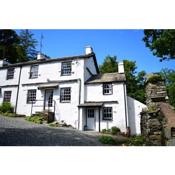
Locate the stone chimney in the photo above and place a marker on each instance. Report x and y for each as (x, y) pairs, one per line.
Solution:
(121, 67)
(88, 50)
(155, 89)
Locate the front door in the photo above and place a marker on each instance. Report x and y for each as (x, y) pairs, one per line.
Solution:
(90, 119)
(48, 102)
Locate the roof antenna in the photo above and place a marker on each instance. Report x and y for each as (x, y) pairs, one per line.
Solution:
(41, 43)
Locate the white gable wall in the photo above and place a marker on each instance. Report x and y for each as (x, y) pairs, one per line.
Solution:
(94, 92)
(134, 109)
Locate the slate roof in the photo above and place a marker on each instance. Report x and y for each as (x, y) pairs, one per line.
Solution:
(107, 77)
(69, 58)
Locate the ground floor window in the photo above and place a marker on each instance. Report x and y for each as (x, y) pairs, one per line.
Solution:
(65, 95)
(31, 96)
(107, 113)
(7, 96)
(90, 113)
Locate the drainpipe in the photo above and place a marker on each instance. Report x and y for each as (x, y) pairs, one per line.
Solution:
(79, 101)
(19, 80)
(126, 106)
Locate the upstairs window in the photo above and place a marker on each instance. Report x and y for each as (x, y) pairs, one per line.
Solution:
(65, 95)
(7, 96)
(107, 113)
(10, 73)
(33, 71)
(31, 96)
(107, 89)
(66, 68)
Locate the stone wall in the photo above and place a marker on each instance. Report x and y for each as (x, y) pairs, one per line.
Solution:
(157, 122)
(152, 127)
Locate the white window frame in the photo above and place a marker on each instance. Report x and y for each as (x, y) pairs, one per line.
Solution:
(10, 73)
(107, 89)
(66, 68)
(34, 71)
(108, 113)
(31, 96)
(7, 96)
(65, 95)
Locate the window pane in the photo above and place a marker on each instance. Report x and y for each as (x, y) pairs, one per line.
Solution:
(7, 96)
(107, 88)
(10, 73)
(90, 113)
(107, 113)
(66, 68)
(34, 71)
(65, 94)
(31, 96)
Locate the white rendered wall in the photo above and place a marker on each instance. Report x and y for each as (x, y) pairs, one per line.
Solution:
(13, 95)
(52, 72)
(3, 76)
(134, 109)
(95, 93)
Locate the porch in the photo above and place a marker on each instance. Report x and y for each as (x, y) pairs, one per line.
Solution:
(90, 116)
(45, 102)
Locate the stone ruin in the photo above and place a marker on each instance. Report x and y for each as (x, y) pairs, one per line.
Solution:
(158, 121)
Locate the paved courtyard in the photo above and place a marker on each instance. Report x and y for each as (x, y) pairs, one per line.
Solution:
(19, 132)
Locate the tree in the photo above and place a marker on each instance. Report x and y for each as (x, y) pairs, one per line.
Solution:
(109, 65)
(161, 43)
(28, 43)
(169, 76)
(10, 48)
(135, 82)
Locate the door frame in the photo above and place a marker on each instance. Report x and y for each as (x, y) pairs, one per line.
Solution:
(45, 92)
(94, 121)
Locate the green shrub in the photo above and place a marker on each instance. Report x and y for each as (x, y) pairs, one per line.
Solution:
(9, 114)
(36, 119)
(154, 78)
(115, 130)
(6, 107)
(107, 140)
(136, 141)
(54, 124)
(104, 131)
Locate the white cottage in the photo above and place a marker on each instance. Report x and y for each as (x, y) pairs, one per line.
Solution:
(73, 89)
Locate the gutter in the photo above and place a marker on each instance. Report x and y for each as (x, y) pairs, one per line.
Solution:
(19, 80)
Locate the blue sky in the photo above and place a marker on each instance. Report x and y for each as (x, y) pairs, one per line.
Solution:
(125, 44)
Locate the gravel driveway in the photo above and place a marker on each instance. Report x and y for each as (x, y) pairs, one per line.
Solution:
(19, 132)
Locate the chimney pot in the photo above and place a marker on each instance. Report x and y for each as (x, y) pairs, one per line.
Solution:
(88, 50)
(121, 67)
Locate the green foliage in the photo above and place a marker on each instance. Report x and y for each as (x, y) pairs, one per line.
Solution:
(10, 46)
(109, 65)
(36, 119)
(136, 141)
(161, 43)
(6, 107)
(107, 140)
(154, 78)
(152, 108)
(115, 130)
(169, 77)
(16, 48)
(55, 124)
(28, 43)
(9, 114)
